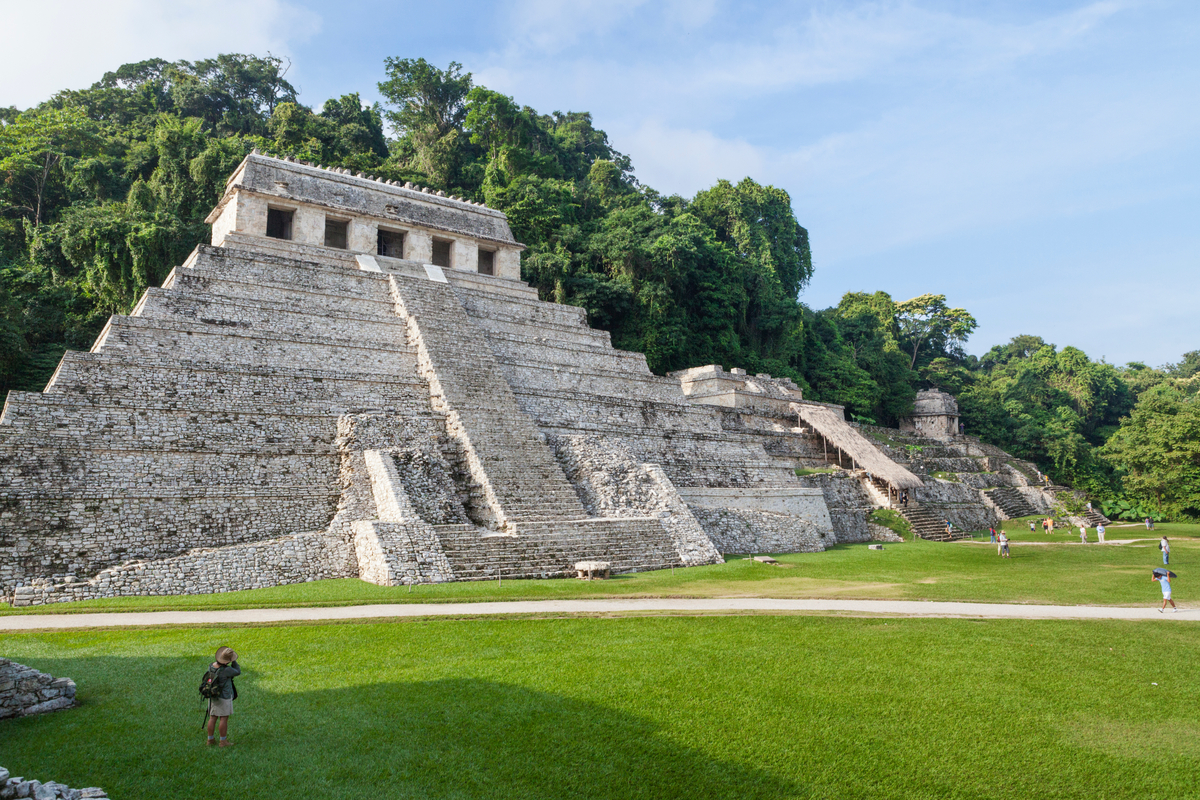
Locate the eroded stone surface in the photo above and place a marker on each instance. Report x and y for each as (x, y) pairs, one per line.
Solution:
(24, 691)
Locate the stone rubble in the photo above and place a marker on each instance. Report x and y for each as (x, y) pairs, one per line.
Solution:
(17, 787)
(24, 691)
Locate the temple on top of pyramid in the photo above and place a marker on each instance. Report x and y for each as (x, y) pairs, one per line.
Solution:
(295, 202)
(353, 381)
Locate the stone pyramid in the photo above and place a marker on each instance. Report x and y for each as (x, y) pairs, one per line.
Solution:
(353, 381)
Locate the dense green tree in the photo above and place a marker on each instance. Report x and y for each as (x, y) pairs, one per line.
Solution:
(1158, 449)
(36, 150)
(870, 329)
(929, 328)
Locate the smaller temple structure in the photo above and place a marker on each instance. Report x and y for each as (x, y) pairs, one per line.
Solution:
(935, 414)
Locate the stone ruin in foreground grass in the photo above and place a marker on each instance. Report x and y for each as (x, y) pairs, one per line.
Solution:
(353, 381)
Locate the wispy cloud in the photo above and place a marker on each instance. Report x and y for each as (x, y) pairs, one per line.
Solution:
(689, 160)
(90, 39)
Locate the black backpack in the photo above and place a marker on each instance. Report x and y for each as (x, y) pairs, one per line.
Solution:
(210, 687)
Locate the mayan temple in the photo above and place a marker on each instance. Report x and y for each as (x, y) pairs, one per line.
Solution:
(353, 381)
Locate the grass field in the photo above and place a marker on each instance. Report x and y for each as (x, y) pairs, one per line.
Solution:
(1043, 569)
(685, 707)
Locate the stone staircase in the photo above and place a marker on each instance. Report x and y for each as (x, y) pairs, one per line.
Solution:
(551, 549)
(1012, 503)
(1092, 516)
(928, 525)
(502, 463)
(879, 491)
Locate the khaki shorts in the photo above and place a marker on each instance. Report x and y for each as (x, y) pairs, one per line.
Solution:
(220, 707)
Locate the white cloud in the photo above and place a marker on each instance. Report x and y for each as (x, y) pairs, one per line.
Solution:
(685, 161)
(80, 40)
(550, 26)
(650, 53)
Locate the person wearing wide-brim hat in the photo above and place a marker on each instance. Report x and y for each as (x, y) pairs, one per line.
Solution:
(220, 708)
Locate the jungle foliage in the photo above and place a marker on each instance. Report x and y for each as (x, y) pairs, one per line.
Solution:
(104, 190)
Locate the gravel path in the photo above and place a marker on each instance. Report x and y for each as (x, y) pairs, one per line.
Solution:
(905, 608)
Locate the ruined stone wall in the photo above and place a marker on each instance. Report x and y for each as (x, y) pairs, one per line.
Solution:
(849, 504)
(298, 558)
(612, 483)
(958, 503)
(24, 691)
(570, 380)
(743, 530)
(19, 787)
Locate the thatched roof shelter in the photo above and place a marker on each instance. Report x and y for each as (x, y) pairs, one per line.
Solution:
(830, 422)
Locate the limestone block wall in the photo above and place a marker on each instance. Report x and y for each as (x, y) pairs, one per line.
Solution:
(308, 225)
(744, 530)
(777, 520)
(569, 379)
(508, 263)
(612, 483)
(24, 691)
(403, 548)
(418, 246)
(245, 213)
(362, 235)
(298, 558)
(464, 255)
(848, 503)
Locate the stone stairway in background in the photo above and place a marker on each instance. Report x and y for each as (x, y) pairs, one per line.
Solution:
(1010, 502)
(928, 525)
(1092, 516)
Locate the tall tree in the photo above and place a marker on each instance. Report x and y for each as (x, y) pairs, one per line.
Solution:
(929, 326)
(33, 150)
(429, 107)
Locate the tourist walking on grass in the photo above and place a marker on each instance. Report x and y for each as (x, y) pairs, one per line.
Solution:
(220, 705)
(1082, 534)
(1004, 545)
(1164, 581)
(1100, 532)
(1165, 546)
(993, 530)
(1031, 526)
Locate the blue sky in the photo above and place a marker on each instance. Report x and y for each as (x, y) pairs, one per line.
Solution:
(1037, 162)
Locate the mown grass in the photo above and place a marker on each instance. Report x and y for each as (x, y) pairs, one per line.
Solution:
(1062, 571)
(684, 707)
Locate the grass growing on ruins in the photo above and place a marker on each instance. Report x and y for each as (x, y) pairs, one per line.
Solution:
(1043, 569)
(686, 707)
(893, 521)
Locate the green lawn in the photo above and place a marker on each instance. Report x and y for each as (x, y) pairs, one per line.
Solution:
(683, 707)
(1061, 572)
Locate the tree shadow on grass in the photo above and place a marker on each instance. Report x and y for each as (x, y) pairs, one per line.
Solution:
(137, 735)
